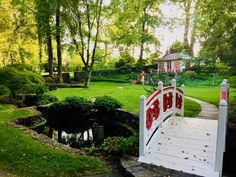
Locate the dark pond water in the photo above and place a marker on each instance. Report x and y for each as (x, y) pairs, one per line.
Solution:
(86, 134)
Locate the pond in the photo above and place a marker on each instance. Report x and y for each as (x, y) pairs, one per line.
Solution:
(85, 134)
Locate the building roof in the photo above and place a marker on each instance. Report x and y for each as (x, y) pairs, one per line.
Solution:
(175, 56)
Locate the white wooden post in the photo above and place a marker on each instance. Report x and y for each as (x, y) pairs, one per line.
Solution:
(142, 125)
(183, 90)
(173, 83)
(160, 87)
(225, 90)
(220, 142)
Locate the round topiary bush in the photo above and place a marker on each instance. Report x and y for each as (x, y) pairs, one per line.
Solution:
(106, 104)
(46, 99)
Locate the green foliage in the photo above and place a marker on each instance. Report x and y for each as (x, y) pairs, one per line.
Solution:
(232, 81)
(190, 74)
(79, 104)
(106, 104)
(22, 67)
(21, 82)
(4, 91)
(179, 47)
(120, 145)
(214, 25)
(211, 69)
(46, 99)
(126, 69)
(232, 111)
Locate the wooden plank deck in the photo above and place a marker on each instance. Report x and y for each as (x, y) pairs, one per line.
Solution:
(184, 144)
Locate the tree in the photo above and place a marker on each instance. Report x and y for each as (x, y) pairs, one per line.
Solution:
(84, 23)
(58, 39)
(190, 9)
(17, 32)
(135, 25)
(179, 47)
(44, 14)
(217, 32)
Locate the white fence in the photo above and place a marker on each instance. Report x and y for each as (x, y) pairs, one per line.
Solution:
(163, 103)
(222, 126)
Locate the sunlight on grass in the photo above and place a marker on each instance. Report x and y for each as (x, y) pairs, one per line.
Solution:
(5, 107)
(127, 94)
(208, 94)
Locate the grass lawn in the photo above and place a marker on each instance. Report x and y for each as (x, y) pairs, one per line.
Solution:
(6, 107)
(20, 154)
(128, 94)
(208, 94)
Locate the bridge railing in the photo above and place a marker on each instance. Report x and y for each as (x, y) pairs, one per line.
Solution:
(163, 103)
(222, 126)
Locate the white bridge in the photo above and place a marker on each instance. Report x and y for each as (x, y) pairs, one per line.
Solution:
(168, 139)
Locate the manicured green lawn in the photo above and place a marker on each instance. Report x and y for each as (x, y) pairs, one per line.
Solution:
(128, 94)
(22, 155)
(208, 94)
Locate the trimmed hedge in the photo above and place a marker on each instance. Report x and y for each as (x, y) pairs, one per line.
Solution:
(106, 104)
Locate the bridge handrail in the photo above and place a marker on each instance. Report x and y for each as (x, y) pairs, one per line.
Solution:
(164, 102)
(222, 126)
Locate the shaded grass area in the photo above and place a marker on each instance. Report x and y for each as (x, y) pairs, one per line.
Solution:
(127, 94)
(208, 94)
(24, 156)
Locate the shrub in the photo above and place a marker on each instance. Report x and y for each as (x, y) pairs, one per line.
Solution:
(46, 99)
(21, 67)
(21, 82)
(119, 145)
(80, 104)
(232, 112)
(232, 81)
(4, 91)
(190, 74)
(106, 104)
(126, 69)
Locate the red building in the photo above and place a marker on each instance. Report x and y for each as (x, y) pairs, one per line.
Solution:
(174, 62)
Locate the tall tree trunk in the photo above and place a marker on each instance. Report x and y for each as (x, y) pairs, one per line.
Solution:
(187, 7)
(142, 42)
(40, 45)
(193, 40)
(50, 51)
(193, 33)
(58, 39)
(87, 78)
